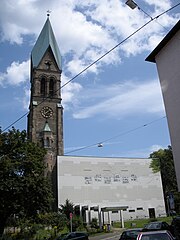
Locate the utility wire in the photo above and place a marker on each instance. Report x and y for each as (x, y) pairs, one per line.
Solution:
(147, 14)
(116, 136)
(97, 60)
(151, 19)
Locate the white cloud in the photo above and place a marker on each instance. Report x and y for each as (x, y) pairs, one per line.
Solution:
(23, 100)
(16, 19)
(15, 74)
(155, 148)
(69, 92)
(122, 100)
(26, 98)
(86, 29)
(94, 27)
(162, 5)
(140, 152)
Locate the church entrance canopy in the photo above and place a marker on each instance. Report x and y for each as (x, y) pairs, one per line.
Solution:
(107, 209)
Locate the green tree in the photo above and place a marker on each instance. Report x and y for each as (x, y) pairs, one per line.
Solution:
(77, 223)
(162, 160)
(53, 219)
(67, 208)
(24, 189)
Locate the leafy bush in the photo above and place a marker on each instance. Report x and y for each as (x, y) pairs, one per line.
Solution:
(94, 223)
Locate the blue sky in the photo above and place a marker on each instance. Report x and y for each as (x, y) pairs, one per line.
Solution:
(112, 101)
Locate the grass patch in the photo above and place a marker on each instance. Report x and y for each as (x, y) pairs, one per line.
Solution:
(140, 223)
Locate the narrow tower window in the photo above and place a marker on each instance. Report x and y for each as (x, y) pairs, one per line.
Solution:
(43, 86)
(51, 87)
(46, 142)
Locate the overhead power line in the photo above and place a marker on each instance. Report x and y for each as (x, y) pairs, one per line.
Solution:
(100, 143)
(97, 60)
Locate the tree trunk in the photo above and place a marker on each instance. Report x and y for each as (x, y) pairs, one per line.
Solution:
(2, 224)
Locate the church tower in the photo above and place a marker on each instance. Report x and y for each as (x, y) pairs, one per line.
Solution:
(45, 119)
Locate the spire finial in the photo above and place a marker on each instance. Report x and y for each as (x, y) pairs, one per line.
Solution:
(48, 13)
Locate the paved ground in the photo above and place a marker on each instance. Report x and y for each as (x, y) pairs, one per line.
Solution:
(114, 235)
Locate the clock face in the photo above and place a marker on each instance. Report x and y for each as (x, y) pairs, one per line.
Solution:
(46, 112)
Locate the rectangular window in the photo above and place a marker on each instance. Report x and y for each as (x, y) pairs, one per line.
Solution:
(131, 210)
(139, 208)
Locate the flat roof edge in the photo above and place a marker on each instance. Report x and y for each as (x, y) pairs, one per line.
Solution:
(106, 209)
(166, 39)
(107, 157)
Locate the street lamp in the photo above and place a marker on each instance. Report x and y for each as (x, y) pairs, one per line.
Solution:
(131, 4)
(100, 145)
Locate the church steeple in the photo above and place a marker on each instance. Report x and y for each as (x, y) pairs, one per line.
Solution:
(45, 40)
(45, 118)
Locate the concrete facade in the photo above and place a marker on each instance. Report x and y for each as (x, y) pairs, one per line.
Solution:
(166, 56)
(112, 183)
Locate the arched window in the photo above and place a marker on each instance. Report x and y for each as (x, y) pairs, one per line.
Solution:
(43, 86)
(47, 142)
(51, 87)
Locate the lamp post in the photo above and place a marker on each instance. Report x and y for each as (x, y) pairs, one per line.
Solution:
(168, 207)
(71, 216)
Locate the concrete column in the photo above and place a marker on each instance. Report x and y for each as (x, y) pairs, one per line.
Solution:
(89, 215)
(99, 217)
(121, 218)
(80, 208)
(103, 217)
(109, 217)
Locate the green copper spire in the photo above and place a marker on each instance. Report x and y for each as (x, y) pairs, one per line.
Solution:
(45, 40)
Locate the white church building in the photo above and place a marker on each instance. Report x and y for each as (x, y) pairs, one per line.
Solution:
(110, 189)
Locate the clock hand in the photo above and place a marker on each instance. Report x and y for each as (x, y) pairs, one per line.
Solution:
(47, 111)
